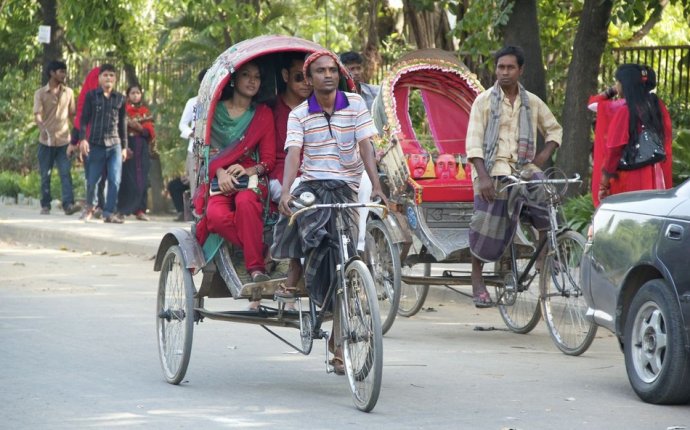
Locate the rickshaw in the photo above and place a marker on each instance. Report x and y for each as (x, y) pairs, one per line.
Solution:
(422, 112)
(180, 304)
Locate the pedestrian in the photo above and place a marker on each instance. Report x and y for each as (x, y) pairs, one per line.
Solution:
(105, 144)
(141, 138)
(90, 83)
(186, 127)
(53, 106)
(643, 110)
(332, 130)
(501, 137)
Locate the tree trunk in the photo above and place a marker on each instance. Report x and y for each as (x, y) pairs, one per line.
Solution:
(53, 50)
(590, 41)
(371, 53)
(522, 30)
(159, 204)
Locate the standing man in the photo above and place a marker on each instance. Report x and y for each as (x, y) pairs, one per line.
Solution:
(355, 64)
(503, 124)
(53, 105)
(332, 130)
(296, 91)
(105, 117)
(186, 127)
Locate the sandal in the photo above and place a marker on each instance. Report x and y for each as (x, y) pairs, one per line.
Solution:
(338, 363)
(483, 300)
(259, 276)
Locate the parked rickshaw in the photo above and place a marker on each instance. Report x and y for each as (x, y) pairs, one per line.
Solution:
(180, 304)
(422, 112)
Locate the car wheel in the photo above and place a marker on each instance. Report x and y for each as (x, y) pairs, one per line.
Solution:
(656, 360)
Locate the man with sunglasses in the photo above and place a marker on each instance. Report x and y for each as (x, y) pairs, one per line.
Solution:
(295, 91)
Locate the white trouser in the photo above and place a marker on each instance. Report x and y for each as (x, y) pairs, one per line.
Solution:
(364, 196)
(275, 188)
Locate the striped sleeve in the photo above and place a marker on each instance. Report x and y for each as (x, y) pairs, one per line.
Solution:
(295, 131)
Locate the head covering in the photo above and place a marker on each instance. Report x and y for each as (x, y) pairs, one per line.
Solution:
(314, 56)
(90, 83)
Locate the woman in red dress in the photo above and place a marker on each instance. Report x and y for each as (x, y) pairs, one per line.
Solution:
(132, 197)
(641, 107)
(242, 143)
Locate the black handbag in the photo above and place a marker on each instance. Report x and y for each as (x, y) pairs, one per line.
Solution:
(242, 183)
(648, 149)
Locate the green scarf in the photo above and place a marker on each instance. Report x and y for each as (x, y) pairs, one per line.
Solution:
(226, 130)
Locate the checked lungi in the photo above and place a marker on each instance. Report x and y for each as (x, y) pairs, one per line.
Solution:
(314, 236)
(493, 224)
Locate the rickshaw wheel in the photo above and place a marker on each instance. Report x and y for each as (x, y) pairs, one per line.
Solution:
(305, 333)
(175, 315)
(362, 339)
(384, 258)
(563, 302)
(518, 306)
(412, 297)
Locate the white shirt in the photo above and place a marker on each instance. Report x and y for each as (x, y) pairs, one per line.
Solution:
(186, 124)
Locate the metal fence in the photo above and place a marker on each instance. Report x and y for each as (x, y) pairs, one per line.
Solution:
(672, 66)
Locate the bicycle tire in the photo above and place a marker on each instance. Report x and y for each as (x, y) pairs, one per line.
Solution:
(362, 339)
(413, 296)
(384, 257)
(519, 308)
(175, 315)
(563, 303)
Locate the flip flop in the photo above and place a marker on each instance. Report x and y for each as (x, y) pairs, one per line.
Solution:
(338, 365)
(483, 300)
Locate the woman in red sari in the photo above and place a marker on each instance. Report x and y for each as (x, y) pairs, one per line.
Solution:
(132, 197)
(242, 143)
(642, 107)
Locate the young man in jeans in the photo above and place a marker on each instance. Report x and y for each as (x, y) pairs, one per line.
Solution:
(105, 117)
(53, 105)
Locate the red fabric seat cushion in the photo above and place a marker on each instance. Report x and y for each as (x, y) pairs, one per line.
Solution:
(446, 190)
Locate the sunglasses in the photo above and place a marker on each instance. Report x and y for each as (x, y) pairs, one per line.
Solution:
(298, 77)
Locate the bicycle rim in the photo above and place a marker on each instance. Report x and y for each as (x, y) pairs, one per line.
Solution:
(361, 336)
(175, 316)
(519, 305)
(563, 304)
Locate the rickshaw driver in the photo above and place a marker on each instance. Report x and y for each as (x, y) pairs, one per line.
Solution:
(500, 140)
(333, 130)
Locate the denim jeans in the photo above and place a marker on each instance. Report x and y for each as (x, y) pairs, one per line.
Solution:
(108, 158)
(48, 156)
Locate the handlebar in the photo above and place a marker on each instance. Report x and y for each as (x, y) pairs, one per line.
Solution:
(305, 203)
(518, 181)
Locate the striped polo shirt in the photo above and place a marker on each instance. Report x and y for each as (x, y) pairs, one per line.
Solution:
(330, 142)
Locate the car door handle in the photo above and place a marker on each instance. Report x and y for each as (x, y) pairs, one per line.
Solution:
(674, 232)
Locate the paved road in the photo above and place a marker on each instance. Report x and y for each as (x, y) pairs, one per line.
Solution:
(78, 350)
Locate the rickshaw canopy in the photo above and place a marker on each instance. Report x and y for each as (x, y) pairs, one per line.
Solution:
(267, 52)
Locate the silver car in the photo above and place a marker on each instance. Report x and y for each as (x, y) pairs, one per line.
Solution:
(636, 280)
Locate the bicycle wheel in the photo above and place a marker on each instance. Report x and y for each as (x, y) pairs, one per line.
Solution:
(175, 315)
(563, 303)
(361, 336)
(384, 258)
(518, 304)
(412, 296)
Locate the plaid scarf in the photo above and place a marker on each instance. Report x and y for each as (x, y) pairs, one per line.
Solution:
(525, 134)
